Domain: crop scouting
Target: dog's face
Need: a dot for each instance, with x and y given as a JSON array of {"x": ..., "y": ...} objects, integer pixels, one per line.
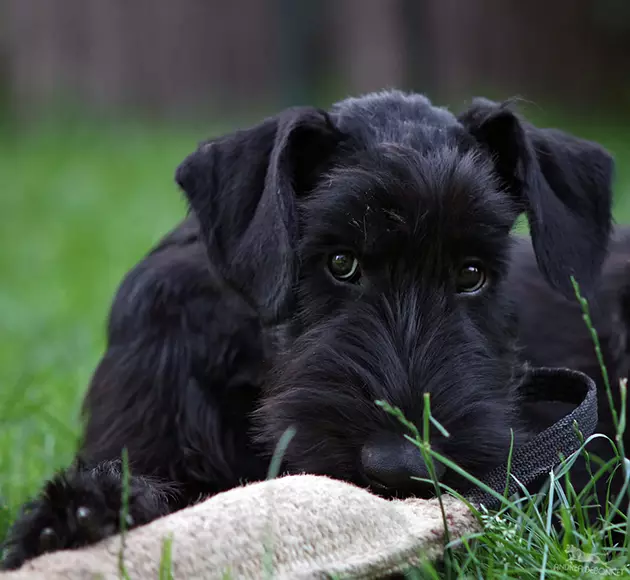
[
  {"x": 398, "y": 294},
  {"x": 378, "y": 236}
]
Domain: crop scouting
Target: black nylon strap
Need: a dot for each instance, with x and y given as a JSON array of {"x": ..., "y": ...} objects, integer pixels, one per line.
[{"x": 541, "y": 455}]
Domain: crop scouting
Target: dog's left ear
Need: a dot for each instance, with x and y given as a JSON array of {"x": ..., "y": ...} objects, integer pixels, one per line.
[
  {"x": 562, "y": 183},
  {"x": 243, "y": 189}
]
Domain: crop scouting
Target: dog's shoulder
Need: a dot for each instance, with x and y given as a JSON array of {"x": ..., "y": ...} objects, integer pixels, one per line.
[
  {"x": 174, "y": 281},
  {"x": 187, "y": 232}
]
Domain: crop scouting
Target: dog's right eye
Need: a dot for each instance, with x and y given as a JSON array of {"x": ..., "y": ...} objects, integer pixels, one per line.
[
  {"x": 471, "y": 277},
  {"x": 344, "y": 266}
]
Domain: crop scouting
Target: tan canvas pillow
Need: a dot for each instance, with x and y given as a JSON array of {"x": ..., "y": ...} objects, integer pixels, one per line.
[{"x": 302, "y": 526}]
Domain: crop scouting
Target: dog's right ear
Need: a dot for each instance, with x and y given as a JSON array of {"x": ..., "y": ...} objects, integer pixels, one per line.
[{"x": 243, "y": 188}]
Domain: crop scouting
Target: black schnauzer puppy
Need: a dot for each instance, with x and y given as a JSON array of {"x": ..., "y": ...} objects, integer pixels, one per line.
[{"x": 330, "y": 259}]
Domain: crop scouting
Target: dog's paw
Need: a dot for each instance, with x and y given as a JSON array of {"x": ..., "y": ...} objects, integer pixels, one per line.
[{"x": 81, "y": 507}]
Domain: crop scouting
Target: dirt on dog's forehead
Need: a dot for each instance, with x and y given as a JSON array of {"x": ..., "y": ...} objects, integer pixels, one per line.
[{"x": 396, "y": 117}]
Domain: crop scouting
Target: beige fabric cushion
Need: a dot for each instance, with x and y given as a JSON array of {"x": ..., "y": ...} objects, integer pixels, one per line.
[{"x": 303, "y": 526}]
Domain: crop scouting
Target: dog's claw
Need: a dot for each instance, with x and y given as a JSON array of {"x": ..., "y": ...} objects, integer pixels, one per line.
[
  {"x": 84, "y": 516},
  {"x": 48, "y": 540}
]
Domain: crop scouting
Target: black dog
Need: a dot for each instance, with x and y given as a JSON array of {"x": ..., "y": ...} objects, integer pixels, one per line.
[{"x": 330, "y": 259}]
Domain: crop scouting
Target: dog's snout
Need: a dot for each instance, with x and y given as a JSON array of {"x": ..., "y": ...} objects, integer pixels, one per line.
[{"x": 392, "y": 462}]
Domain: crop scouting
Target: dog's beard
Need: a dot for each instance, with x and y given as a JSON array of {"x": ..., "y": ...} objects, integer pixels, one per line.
[{"x": 328, "y": 383}]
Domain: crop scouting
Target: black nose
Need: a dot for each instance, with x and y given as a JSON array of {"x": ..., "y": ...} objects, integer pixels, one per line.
[{"x": 391, "y": 462}]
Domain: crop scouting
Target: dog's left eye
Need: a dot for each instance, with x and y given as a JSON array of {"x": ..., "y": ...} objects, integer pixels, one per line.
[
  {"x": 471, "y": 277},
  {"x": 344, "y": 266}
]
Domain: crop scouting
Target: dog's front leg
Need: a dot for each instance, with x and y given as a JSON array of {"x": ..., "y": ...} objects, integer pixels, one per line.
[
  {"x": 82, "y": 506},
  {"x": 175, "y": 388}
]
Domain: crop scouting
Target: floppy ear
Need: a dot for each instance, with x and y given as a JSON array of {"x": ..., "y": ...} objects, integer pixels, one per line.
[
  {"x": 561, "y": 182},
  {"x": 243, "y": 187}
]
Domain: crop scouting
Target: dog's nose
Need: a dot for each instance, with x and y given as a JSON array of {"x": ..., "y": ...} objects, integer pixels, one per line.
[{"x": 392, "y": 461}]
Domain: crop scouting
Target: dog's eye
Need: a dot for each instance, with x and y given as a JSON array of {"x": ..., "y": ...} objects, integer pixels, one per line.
[
  {"x": 471, "y": 277},
  {"x": 344, "y": 266}
]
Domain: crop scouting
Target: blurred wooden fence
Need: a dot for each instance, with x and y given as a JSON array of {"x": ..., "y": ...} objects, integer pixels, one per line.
[{"x": 171, "y": 56}]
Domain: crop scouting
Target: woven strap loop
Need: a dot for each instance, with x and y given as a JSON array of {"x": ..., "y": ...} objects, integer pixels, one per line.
[{"x": 541, "y": 454}]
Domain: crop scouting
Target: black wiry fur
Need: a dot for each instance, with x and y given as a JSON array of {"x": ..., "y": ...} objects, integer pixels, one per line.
[
  {"x": 233, "y": 330},
  {"x": 87, "y": 501}
]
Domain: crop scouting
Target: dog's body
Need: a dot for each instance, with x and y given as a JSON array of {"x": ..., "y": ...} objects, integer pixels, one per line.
[
  {"x": 552, "y": 331},
  {"x": 332, "y": 259}
]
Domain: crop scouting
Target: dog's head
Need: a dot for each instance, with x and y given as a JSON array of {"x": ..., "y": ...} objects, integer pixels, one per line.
[{"x": 379, "y": 234}]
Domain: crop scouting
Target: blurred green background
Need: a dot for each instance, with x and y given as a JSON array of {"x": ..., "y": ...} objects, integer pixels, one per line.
[{"x": 101, "y": 101}]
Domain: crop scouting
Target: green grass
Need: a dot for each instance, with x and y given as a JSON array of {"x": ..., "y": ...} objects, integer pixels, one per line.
[
  {"x": 81, "y": 203},
  {"x": 79, "y": 206}
]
